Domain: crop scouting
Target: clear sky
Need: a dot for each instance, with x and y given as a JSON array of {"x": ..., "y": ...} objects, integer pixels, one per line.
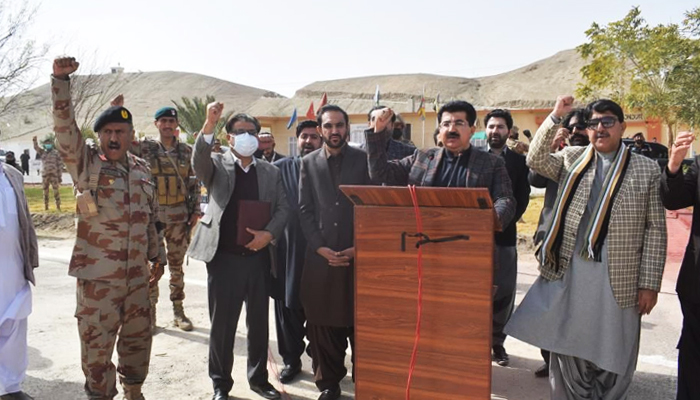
[{"x": 283, "y": 45}]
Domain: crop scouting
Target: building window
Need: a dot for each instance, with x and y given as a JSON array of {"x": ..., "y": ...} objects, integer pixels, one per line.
[{"x": 292, "y": 146}]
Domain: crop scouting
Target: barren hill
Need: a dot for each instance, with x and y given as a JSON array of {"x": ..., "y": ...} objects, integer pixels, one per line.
[
  {"x": 144, "y": 93},
  {"x": 533, "y": 86}
]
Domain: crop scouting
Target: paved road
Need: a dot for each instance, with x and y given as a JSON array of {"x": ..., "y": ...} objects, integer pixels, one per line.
[{"x": 179, "y": 359}]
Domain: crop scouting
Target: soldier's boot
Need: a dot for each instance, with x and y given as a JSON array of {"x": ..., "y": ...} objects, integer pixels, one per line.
[
  {"x": 132, "y": 391},
  {"x": 181, "y": 321}
]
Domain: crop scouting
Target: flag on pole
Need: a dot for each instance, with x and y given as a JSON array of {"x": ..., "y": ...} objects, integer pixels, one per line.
[
  {"x": 324, "y": 101},
  {"x": 376, "y": 96},
  {"x": 293, "y": 118},
  {"x": 436, "y": 104},
  {"x": 310, "y": 114},
  {"x": 421, "y": 109}
]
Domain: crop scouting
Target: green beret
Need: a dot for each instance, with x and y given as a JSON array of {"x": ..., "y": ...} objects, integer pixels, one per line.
[
  {"x": 166, "y": 112},
  {"x": 112, "y": 114}
]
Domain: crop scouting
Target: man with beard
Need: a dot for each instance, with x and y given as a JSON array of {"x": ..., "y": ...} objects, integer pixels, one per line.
[
  {"x": 498, "y": 125},
  {"x": 602, "y": 258},
  {"x": 116, "y": 238},
  {"x": 239, "y": 265},
  {"x": 327, "y": 220},
  {"x": 454, "y": 164},
  {"x": 12, "y": 161},
  {"x": 178, "y": 198},
  {"x": 266, "y": 148},
  {"x": 574, "y": 127},
  {"x": 396, "y": 149},
  {"x": 289, "y": 313},
  {"x": 400, "y": 130},
  {"x": 640, "y": 146}
]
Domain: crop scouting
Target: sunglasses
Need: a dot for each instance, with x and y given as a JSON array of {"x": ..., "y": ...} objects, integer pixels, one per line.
[
  {"x": 608, "y": 122},
  {"x": 581, "y": 126}
]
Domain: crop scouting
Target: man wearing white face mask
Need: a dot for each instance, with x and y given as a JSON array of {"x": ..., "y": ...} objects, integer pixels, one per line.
[{"x": 238, "y": 269}]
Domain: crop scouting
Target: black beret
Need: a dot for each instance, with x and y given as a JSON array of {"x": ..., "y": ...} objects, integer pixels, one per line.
[
  {"x": 112, "y": 114},
  {"x": 166, "y": 112}
]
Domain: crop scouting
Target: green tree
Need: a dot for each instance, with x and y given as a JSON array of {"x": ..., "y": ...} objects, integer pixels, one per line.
[
  {"x": 193, "y": 112},
  {"x": 651, "y": 68}
]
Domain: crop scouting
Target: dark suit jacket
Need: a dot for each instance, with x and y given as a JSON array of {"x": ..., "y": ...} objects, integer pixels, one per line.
[
  {"x": 327, "y": 219},
  {"x": 680, "y": 191},
  {"x": 291, "y": 246},
  {"x": 517, "y": 172},
  {"x": 218, "y": 173},
  {"x": 420, "y": 169},
  {"x": 27, "y": 240},
  {"x": 275, "y": 156}
]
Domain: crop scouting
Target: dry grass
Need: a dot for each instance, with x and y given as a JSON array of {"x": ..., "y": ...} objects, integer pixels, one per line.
[
  {"x": 35, "y": 199},
  {"x": 528, "y": 223}
]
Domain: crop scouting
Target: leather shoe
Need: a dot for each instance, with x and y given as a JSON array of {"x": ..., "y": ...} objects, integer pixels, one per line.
[
  {"x": 16, "y": 396},
  {"x": 289, "y": 372},
  {"x": 267, "y": 391},
  {"x": 220, "y": 395},
  {"x": 330, "y": 394},
  {"x": 500, "y": 355},
  {"x": 543, "y": 371}
]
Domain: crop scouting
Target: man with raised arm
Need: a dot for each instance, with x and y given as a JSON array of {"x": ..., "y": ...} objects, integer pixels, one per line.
[
  {"x": 456, "y": 164},
  {"x": 117, "y": 249},
  {"x": 679, "y": 189},
  {"x": 601, "y": 260},
  {"x": 239, "y": 258}
]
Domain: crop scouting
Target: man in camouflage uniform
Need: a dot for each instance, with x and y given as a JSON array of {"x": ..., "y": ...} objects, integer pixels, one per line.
[
  {"x": 178, "y": 199},
  {"x": 116, "y": 237},
  {"x": 52, "y": 168}
]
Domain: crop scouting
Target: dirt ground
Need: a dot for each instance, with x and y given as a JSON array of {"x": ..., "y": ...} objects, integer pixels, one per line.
[{"x": 179, "y": 359}]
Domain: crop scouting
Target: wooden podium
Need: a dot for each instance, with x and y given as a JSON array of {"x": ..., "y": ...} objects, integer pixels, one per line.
[{"x": 454, "y": 351}]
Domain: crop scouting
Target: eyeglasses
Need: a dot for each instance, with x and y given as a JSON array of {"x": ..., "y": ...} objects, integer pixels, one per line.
[
  {"x": 608, "y": 122},
  {"x": 581, "y": 126},
  {"x": 460, "y": 123}
]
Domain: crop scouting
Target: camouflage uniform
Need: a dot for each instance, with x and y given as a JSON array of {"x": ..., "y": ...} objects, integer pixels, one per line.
[
  {"x": 110, "y": 257},
  {"x": 52, "y": 168},
  {"x": 178, "y": 199}
]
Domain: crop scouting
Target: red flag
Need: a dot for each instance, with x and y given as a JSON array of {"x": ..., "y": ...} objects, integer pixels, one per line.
[
  {"x": 311, "y": 114},
  {"x": 324, "y": 101}
]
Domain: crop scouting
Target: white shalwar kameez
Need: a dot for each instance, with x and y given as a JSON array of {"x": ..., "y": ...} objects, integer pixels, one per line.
[{"x": 15, "y": 294}]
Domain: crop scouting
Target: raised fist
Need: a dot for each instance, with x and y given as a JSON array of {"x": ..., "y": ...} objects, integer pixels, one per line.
[
  {"x": 64, "y": 66},
  {"x": 679, "y": 149},
  {"x": 118, "y": 101},
  {"x": 561, "y": 137},
  {"x": 214, "y": 111},
  {"x": 380, "y": 119},
  {"x": 34, "y": 139},
  {"x": 563, "y": 105}
]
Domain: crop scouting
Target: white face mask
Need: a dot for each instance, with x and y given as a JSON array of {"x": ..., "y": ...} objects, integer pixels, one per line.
[{"x": 245, "y": 144}]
